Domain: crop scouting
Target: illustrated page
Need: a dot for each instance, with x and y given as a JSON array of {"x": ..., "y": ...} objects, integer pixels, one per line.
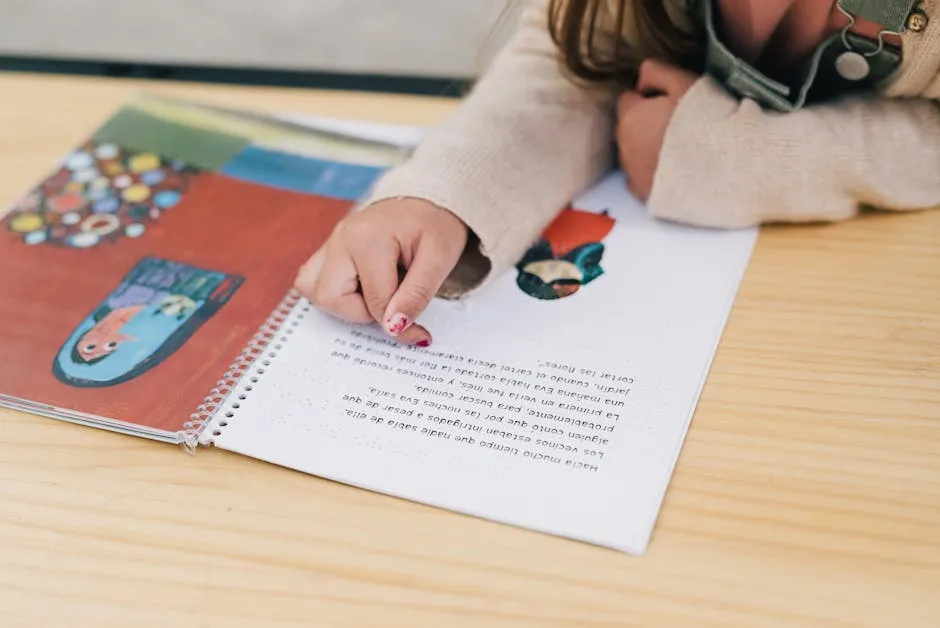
[{"x": 137, "y": 271}]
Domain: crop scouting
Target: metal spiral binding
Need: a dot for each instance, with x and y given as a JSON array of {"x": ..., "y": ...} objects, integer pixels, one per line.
[{"x": 204, "y": 415}]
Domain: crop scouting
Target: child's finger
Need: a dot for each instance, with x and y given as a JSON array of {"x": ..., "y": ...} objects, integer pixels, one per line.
[
  {"x": 424, "y": 278},
  {"x": 336, "y": 290},
  {"x": 377, "y": 268},
  {"x": 350, "y": 308},
  {"x": 309, "y": 274}
]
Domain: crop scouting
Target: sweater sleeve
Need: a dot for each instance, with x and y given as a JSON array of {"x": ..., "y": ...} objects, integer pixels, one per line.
[
  {"x": 727, "y": 163},
  {"x": 523, "y": 144}
]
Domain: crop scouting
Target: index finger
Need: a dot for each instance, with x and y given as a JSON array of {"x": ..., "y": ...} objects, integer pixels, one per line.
[{"x": 308, "y": 276}]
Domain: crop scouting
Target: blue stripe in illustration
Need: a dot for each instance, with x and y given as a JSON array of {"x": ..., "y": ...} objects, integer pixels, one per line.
[{"x": 297, "y": 173}]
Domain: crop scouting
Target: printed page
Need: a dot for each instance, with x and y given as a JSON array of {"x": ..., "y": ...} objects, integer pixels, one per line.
[{"x": 556, "y": 399}]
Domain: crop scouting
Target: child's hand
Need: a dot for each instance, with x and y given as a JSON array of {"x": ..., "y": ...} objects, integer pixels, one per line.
[
  {"x": 355, "y": 277},
  {"x": 642, "y": 119}
]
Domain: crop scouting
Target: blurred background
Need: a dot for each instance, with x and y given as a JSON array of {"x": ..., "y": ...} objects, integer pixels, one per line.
[{"x": 422, "y": 46}]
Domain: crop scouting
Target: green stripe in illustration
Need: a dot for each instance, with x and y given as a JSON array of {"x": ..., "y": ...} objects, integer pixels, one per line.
[
  {"x": 199, "y": 147},
  {"x": 274, "y": 134}
]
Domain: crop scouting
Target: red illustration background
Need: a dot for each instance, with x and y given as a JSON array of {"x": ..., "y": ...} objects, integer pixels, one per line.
[{"x": 221, "y": 224}]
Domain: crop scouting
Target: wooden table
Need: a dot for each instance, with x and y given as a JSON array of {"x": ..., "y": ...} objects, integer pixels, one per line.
[{"x": 808, "y": 492}]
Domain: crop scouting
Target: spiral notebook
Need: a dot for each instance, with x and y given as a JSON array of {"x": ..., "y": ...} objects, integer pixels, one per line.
[{"x": 145, "y": 288}]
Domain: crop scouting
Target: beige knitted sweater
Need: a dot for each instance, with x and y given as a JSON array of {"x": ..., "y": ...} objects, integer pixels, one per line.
[{"x": 526, "y": 141}]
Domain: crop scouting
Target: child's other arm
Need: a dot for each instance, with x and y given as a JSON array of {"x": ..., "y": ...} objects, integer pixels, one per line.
[
  {"x": 726, "y": 163},
  {"x": 523, "y": 144}
]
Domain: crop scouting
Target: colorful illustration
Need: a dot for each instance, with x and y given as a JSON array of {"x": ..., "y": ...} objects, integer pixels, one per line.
[
  {"x": 275, "y": 154},
  {"x": 300, "y": 173},
  {"x": 101, "y": 193},
  {"x": 216, "y": 203},
  {"x": 151, "y": 314},
  {"x": 567, "y": 257}
]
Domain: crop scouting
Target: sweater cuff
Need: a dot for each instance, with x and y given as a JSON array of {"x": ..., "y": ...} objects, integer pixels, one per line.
[
  {"x": 728, "y": 164},
  {"x": 692, "y": 177}
]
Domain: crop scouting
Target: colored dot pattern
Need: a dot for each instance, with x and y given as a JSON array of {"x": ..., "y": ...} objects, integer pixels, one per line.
[
  {"x": 136, "y": 193},
  {"x": 101, "y": 193},
  {"x": 25, "y": 223},
  {"x": 134, "y": 230}
]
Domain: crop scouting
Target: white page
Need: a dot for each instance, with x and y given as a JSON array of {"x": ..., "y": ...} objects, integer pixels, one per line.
[
  {"x": 652, "y": 321},
  {"x": 404, "y": 136}
]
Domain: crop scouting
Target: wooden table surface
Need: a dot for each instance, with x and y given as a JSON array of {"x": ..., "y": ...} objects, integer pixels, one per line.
[{"x": 807, "y": 494}]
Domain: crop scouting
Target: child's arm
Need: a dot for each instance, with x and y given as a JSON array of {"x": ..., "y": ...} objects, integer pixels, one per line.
[
  {"x": 726, "y": 163},
  {"x": 521, "y": 146}
]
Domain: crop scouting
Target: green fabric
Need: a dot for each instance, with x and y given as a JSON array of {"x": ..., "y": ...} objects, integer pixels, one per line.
[
  {"x": 737, "y": 76},
  {"x": 890, "y": 14},
  {"x": 135, "y": 130},
  {"x": 830, "y": 84},
  {"x": 817, "y": 79}
]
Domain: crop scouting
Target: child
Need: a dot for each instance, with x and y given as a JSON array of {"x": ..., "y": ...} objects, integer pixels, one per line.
[{"x": 727, "y": 114}]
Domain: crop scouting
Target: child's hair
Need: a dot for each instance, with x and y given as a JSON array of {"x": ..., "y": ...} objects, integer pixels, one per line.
[{"x": 590, "y": 38}]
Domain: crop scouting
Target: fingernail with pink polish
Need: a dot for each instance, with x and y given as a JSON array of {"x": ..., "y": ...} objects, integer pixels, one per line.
[
  {"x": 397, "y": 324},
  {"x": 424, "y": 344}
]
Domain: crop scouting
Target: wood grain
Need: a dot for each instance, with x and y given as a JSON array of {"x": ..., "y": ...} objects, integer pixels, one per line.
[{"x": 808, "y": 493}]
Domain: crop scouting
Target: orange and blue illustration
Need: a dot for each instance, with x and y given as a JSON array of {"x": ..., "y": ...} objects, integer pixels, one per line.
[
  {"x": 567, "y": 257},
  {"x": 147, "y": 318}
]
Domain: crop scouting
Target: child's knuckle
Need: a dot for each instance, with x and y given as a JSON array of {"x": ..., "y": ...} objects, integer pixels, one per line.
[
  {"x": 320, "y": 300},
  {"x": 358, "y": 229},
  {"x": 375, "y": 302}
]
